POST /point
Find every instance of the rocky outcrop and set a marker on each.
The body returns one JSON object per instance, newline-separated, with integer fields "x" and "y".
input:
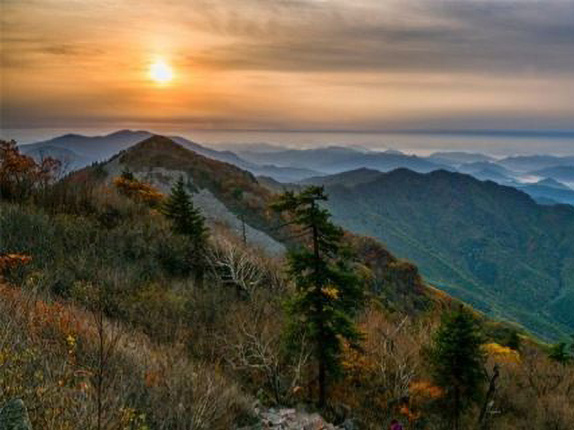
{"x": 14, "y": 416}
{"x": 292, "y": 419}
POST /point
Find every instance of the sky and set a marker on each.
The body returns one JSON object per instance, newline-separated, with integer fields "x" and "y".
{"x": 289, "y": 64}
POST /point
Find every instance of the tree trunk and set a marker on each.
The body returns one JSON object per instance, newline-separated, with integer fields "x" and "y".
{"x": 482, "y": 420}
{"x": 456, "y": 408}
{"x": 243, "y": 231}
{"x": 320, "y": 341}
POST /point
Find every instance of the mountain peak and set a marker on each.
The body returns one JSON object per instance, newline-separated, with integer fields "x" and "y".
{"x": 553, "y": 183}
{"x": 156, "y": 142}
{"x": 393, "y": 152}
{"x": 128, "y": 132}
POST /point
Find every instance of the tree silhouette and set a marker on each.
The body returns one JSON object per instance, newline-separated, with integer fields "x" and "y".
{"x": 327, "y": 289}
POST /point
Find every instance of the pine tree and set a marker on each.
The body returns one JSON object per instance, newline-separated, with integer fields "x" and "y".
{"x": 187, "y": 220}
{"x": 457, "y": 362}
{"x": 327, "y": 289}
{"x": 559, "y": 353}
{"x": 127, "y": 174}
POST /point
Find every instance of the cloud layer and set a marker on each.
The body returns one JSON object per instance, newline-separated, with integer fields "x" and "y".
{"x": 299, "y": 64}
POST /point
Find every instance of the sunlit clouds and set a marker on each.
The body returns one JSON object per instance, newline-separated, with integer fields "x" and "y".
{"x": 288, "y": 64}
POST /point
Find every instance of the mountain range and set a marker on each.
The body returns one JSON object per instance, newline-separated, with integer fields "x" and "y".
{"x": 490, "y": 245}
{"x": 291, "y": 165}
{"x": 77, "y": 151}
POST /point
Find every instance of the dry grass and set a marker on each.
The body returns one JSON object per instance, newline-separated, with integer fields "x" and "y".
{"x": 49, "y": 358}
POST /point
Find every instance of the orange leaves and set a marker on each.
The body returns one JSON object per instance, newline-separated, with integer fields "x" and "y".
{"x": 410, "y": 415}
{"x": 425, "y": 390}
{"x": 139, "y": 191}
{"x": 54, "y": 321}
{"x": 20, "y": 174}
{"x": 10, "y": 261}
{"x": 152, "y": 378}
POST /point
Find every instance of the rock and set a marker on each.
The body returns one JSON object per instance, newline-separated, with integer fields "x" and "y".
{"x": 349, "y": 424}
{"x": 14, "y": 416}
{"x": 293, "y": 419}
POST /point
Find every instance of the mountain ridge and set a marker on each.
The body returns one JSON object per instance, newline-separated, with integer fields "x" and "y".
{"x": 488, "y": 244}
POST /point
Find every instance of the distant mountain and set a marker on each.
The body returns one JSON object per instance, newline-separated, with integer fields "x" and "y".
{"x": 490, "y": 245}
{"x": 545, "y": 194}
{"x": 558, "y": 173}
{"x": 385, "y": 162}
{"x": 393, "y": 152}
{"x": 312, "y": 159}
{"x": 552, "y": 183}
{"x": 70, "y": 160}
{"x": 78, "y": 151}
{"x": 239, "y": 147}
{"x": 489, "y": 174}
{"x": 94, "y": 148}
{"x": 528, "y": 163}
{"x": 336, "y": 159}
{"x": 349, "y": 178}
{"x": 488, "y": 171}
{"x": 455, "y": 158}
{"x": 479, "y": 166}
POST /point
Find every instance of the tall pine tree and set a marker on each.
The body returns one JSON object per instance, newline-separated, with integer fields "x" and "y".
{"x": 457, "y": 362}
{"x": 187, "y": 220}
{"x": 328, "y": 292}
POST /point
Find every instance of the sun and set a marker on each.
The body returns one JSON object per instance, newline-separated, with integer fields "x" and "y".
{"x": 161, "y": 72}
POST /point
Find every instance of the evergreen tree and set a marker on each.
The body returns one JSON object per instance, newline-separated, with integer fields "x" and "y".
{"x": 561, "y": 354}
{"x": 513, "y": 341}
{"x": 187, "y": 220}
{"x": 127, "y": 174}
{"x": 327, "y": 289}
{"x": 457, "y": 362}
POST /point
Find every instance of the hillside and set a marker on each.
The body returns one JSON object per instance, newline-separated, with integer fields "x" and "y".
{"x": 227, "y": 194}
{"x": 103, "y": 319}
{"x": 487, "y": 244}
{"x": 349, "y": 178}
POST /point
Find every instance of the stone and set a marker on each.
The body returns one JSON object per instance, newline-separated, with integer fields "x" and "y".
{"x": 14, "y": 416}
{"x": 293, "y": 419}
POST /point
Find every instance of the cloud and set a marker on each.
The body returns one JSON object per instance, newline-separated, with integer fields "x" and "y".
{"x": 470, "y": 36}
{"x": 290, "y": 63}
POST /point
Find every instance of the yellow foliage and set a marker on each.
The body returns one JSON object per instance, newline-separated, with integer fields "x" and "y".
{"x": 330, "y": 292}
{"x": 502, "y": 354}
{"x": 139, "y": 191}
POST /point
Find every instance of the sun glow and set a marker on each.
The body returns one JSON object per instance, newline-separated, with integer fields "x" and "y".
{"x": 160, "y": 72}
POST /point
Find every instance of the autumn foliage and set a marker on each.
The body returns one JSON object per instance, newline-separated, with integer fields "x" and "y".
{"x": 139, "y": 191}
{"x": 187, "y": 357}
{"x": 20, "y": 175}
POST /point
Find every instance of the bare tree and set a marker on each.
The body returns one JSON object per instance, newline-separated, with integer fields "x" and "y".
{"x": 108, "y": 336}
{"x": 242, "y": 267}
